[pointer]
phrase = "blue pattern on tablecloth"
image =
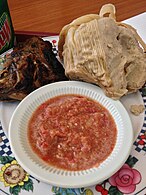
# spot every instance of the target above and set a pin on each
(5, 149)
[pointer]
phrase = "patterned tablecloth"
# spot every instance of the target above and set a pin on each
(130, 179)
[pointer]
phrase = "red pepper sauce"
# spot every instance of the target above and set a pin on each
(72, 132)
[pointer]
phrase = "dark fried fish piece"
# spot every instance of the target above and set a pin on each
(29, 66)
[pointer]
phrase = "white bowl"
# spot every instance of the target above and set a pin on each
(73, 179)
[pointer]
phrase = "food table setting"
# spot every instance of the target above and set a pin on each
(71, 97)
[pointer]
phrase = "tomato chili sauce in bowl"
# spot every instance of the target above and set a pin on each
(72, 132)
(69, 134)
